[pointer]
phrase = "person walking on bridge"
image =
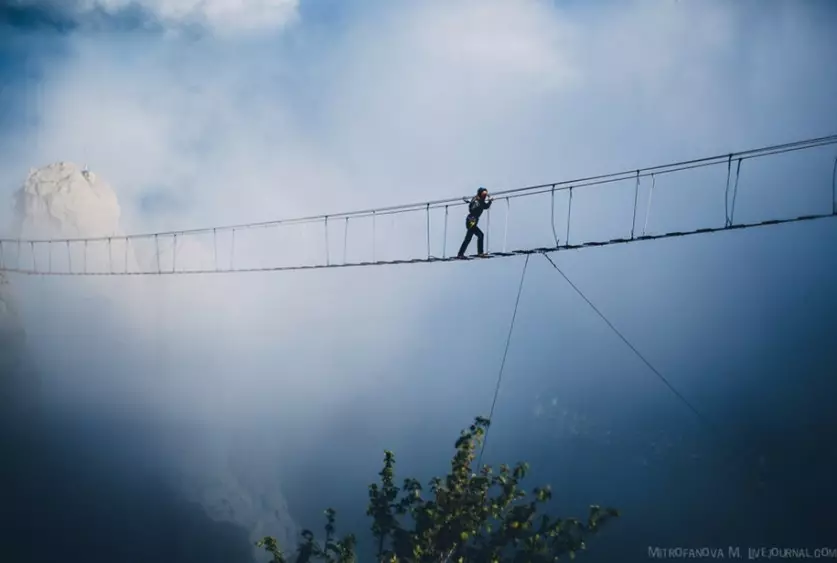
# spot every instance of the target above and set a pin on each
(476, 205)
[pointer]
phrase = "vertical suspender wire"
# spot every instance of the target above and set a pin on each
(346, 240)
(569, 216)
(445, 236)
(127, 240)
(392, 224)
(69, 258)
(734, 193)
(174, 254)
(554, 234)
(636, 197)
(648, 208)
(488, 233)
(19, 264)
(506, 233)
(726, 193)
(215, 246)
(834, 188)
(279, 238)
(49, 257)
(427, 211)
(157, 246)
(34, 262)
(3, 255)
(503, 362)
(373, 236)
(110, 256)
(232, 251)
(325, 223)
(85, 257)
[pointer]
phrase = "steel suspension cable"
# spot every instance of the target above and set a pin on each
(638, 354)
(503, 362)
(713, 429)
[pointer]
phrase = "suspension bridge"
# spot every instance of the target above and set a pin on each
(54, 257)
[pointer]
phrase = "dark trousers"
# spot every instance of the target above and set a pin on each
(471, 225)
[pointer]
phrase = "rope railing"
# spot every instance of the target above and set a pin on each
(577, 183)
(487, 256)
(13, 259)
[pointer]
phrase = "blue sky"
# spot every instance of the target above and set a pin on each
(199, 119)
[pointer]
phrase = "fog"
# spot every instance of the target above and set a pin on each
(204, 114)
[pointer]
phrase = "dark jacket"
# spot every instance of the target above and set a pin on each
(477, 206)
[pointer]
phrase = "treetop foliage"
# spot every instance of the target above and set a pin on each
(466, 517)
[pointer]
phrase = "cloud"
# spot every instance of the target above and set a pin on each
(489, 93)
(222, 16)
(401, 102)
(222, 131)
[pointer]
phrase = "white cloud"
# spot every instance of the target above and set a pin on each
(420, 101)
(415, 102)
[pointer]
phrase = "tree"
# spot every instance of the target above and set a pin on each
(469, 517)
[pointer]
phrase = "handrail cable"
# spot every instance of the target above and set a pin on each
(600, 179)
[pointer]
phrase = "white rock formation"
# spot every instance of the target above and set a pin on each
(64, 200)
